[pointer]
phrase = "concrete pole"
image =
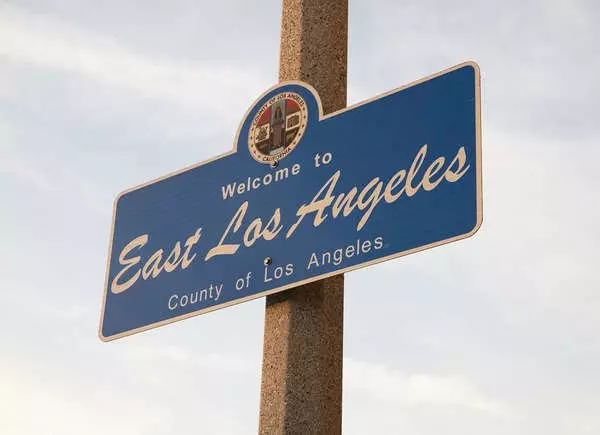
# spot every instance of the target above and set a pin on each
(301, 389)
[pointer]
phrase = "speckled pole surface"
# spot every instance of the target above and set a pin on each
(301, 389)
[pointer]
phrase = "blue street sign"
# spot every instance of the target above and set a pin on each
(301, 197)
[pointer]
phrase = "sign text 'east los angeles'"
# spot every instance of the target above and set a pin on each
(301, 197)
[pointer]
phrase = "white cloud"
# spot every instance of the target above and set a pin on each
(175, 355)
(380, 383)
(59, 181)
(43, 42)
(11, 163)
(31, 404)
(23, 171)
(38, 400)
(538, 235)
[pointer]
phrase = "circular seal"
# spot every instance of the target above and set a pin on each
(277, 127)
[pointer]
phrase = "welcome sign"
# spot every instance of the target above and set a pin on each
(301, 197)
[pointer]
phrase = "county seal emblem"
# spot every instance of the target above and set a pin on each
(277, 127)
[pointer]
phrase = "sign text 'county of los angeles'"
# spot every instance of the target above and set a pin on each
(301, 197)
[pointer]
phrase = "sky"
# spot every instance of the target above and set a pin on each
(496, 334)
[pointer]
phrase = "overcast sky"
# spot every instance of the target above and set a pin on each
(497, 334)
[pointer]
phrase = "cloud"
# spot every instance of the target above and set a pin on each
(537, 233)
(175, 355)
(43, 42)
(59, 181)
(32, 404)
(38, 399)
(23, 171)
(380, 383)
